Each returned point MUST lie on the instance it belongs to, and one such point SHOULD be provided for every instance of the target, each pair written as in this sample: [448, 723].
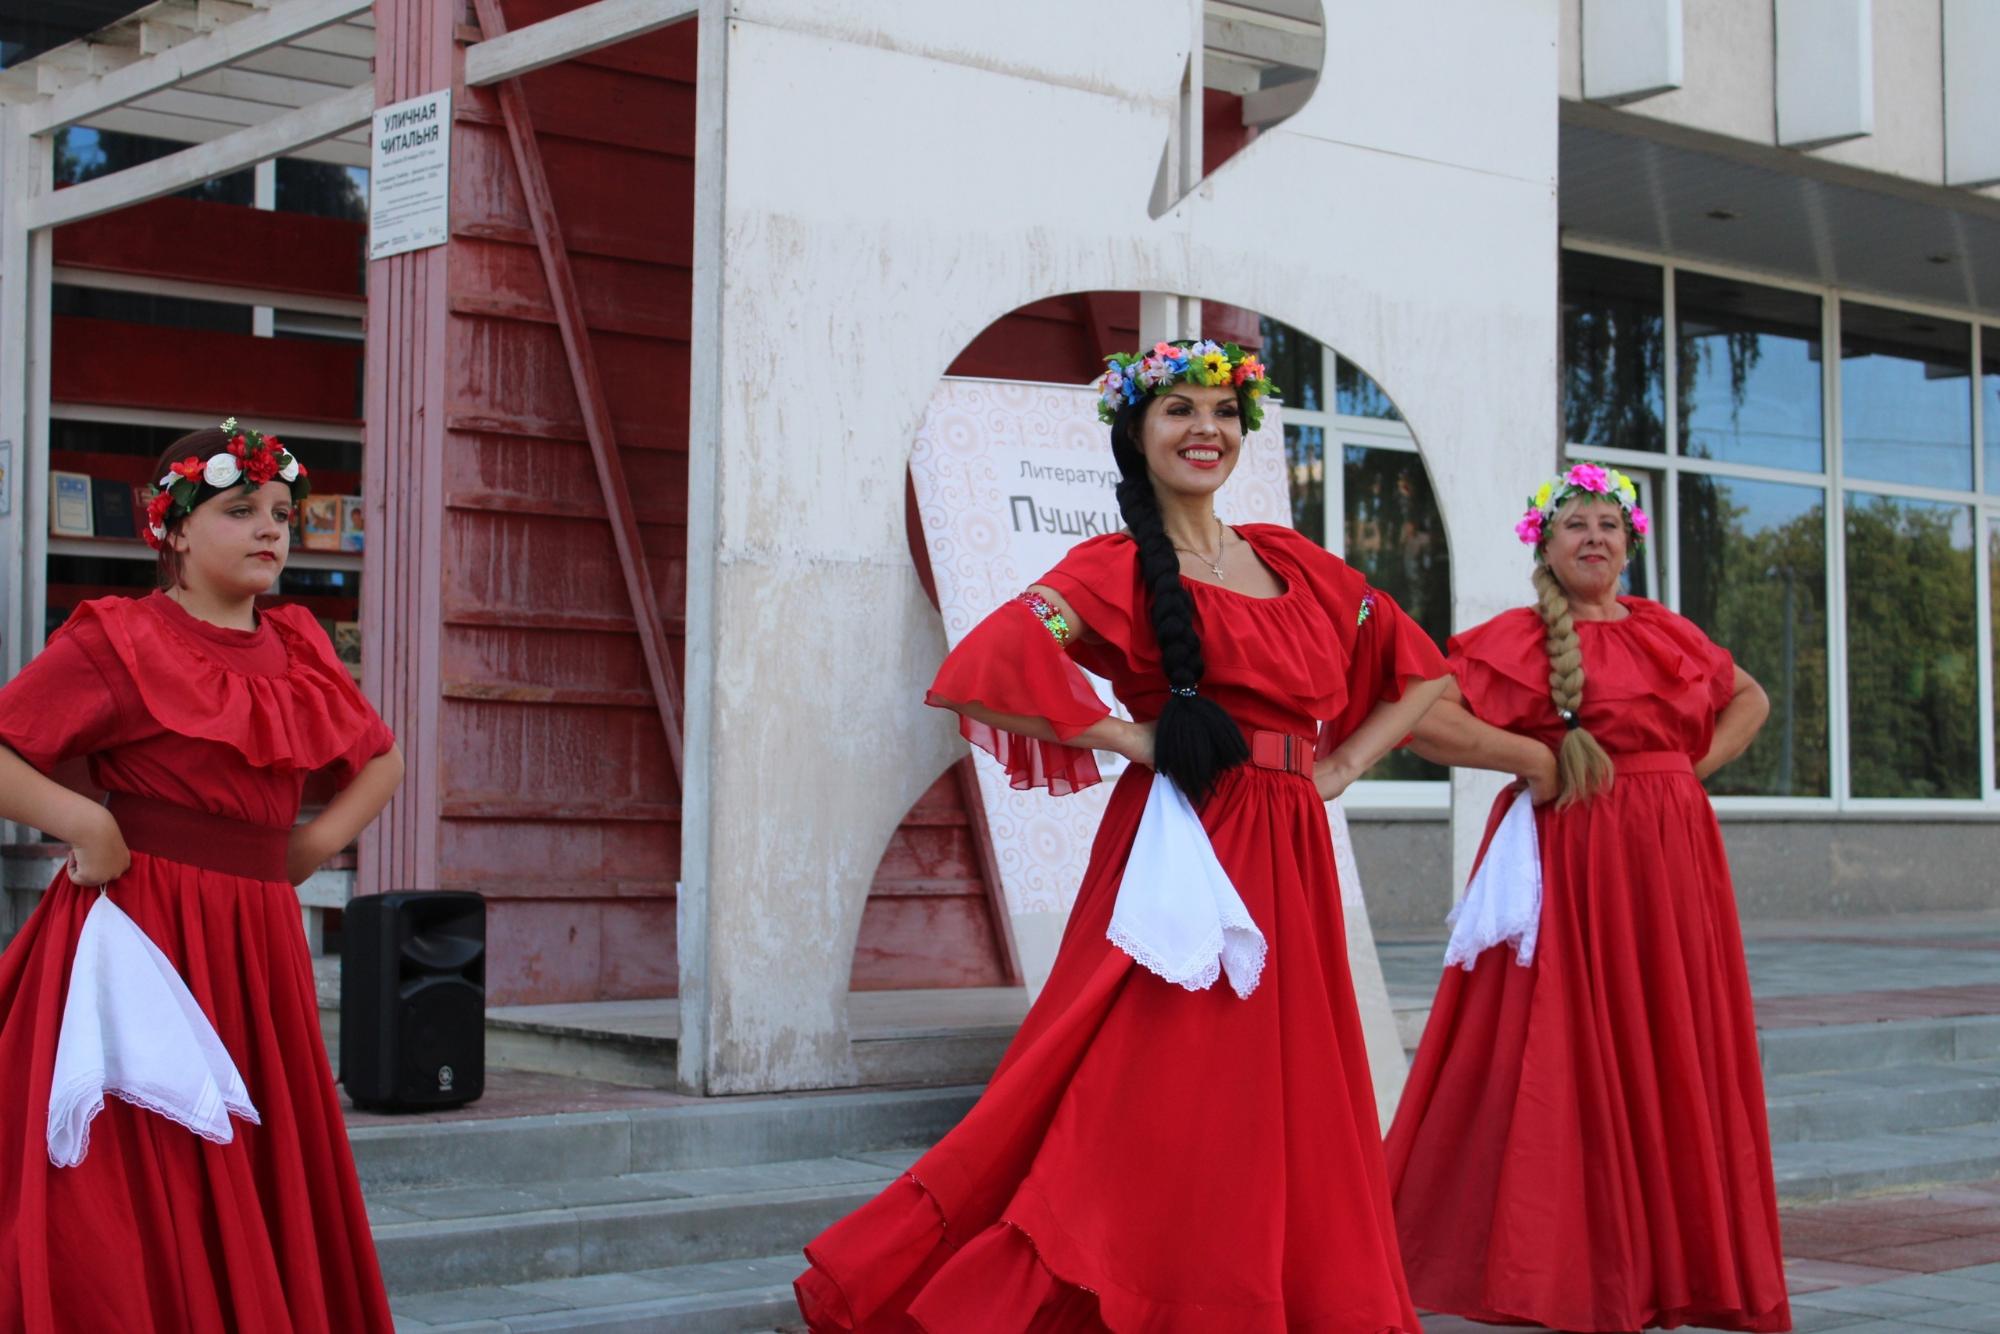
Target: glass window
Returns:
[1749, 370]
[83, 154]
[1613, 353]
[174, 312]
[1905, 397]
[1296, 365]
[325, 189]
[1993, 575]
[1305, 457]
[1395, 538]
[1355, 395]
[1989, 387]
[1753, 575]
[1912, 655]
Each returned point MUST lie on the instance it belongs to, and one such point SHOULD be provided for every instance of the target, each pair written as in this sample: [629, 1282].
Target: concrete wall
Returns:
[963, 169]
[1784, 867]
[1728, 85]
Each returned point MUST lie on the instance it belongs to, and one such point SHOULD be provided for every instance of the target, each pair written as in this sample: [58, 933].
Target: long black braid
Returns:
[1195, 741]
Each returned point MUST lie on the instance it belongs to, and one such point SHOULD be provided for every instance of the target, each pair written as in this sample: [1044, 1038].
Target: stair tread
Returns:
[1916, 1077]
[651, 1292]
[671, 1191]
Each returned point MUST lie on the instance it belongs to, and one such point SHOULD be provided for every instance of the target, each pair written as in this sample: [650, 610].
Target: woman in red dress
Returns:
[203, 717]
[1149, 1155]
[1582, 1140]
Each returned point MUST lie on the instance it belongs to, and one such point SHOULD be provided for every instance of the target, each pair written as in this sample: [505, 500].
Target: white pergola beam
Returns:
[572, 34]
[196, 55]
[107, 281]
[276, 137]
[347, 150]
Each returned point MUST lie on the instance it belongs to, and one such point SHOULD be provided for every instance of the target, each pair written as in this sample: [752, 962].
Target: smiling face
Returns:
[1586, 547]
[1191, 437]
[234, 544]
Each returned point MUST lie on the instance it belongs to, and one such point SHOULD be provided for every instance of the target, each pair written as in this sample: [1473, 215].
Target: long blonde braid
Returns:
[1583, 769]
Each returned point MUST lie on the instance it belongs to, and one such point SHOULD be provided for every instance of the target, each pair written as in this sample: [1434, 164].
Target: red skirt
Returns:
[158, 1229]
[1148, 1157]
[1582, 1142]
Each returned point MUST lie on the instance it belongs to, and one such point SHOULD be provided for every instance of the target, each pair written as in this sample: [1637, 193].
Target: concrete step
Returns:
[1896, 1099]
[722, 1132]
[484, 1236]
[1812, 1171]
[727, 1297]
[1837, 1047]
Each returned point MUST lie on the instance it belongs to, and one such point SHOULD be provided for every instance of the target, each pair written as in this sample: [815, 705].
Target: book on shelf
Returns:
[319, 523]
[111, 509]
[69, 505]
[352, 537]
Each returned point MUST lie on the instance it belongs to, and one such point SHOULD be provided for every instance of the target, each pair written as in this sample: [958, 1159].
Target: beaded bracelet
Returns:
[1051, 619]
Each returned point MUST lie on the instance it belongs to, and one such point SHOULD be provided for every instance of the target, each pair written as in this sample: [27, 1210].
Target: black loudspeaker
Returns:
[413, 999]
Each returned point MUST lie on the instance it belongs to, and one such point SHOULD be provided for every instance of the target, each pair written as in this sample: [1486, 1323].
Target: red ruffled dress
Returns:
[1149, 1157]
[157, 1229]
[1582, 1142]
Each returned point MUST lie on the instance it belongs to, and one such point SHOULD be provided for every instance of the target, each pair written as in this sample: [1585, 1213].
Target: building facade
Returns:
[638, 591]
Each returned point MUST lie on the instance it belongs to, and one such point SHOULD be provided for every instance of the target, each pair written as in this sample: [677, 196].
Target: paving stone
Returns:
[1871, 1301]
[440, 1308]
[1944, 1287]
[1984, 1319]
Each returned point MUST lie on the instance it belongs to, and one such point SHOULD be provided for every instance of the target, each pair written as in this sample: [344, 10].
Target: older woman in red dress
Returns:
[1582, 1141]
[1155, 1151]
[203, 716]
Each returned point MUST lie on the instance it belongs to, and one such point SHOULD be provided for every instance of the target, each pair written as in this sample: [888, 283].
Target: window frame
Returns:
[1984, 506]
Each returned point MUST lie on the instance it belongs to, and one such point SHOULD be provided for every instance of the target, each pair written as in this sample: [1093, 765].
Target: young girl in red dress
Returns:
[1169, 1155]
[202, 715]
[1582, 1141]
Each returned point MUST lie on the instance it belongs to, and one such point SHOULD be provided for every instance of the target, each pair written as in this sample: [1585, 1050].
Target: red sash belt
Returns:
[1652, 762]
[1282, 751]
[196, 838]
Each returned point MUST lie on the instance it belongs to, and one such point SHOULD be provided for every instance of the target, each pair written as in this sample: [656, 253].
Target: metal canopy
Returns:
[1632, 182]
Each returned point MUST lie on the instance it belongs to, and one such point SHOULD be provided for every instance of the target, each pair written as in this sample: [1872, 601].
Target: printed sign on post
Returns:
[409, 180]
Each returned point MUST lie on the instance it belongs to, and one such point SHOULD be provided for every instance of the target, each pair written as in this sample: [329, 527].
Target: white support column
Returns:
[693, 1052]
[1825, 75]
[15, 144]
[1631, 49]
[1168, 315]
[1971, 94]
[27, 166]
[263, 319]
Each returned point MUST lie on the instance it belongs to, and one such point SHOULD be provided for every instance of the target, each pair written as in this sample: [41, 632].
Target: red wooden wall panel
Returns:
[194, 370]
[198, 241]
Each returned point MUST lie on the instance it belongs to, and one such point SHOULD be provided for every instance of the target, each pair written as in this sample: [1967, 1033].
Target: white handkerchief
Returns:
[1177, 913]
[1503, 904]
[130, 1027]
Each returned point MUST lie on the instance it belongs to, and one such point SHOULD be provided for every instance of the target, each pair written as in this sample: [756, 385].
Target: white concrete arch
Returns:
[1406, 214]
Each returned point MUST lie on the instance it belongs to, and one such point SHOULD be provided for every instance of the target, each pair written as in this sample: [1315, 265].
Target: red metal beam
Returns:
[590, 394]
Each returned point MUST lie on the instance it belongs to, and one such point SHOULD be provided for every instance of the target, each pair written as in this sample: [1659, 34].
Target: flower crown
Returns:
[1584, 479]
[1130, 376]
[251, 459]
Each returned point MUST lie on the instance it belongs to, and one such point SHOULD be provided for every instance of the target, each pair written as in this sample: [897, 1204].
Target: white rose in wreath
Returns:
[222, 470]
[290, 472]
